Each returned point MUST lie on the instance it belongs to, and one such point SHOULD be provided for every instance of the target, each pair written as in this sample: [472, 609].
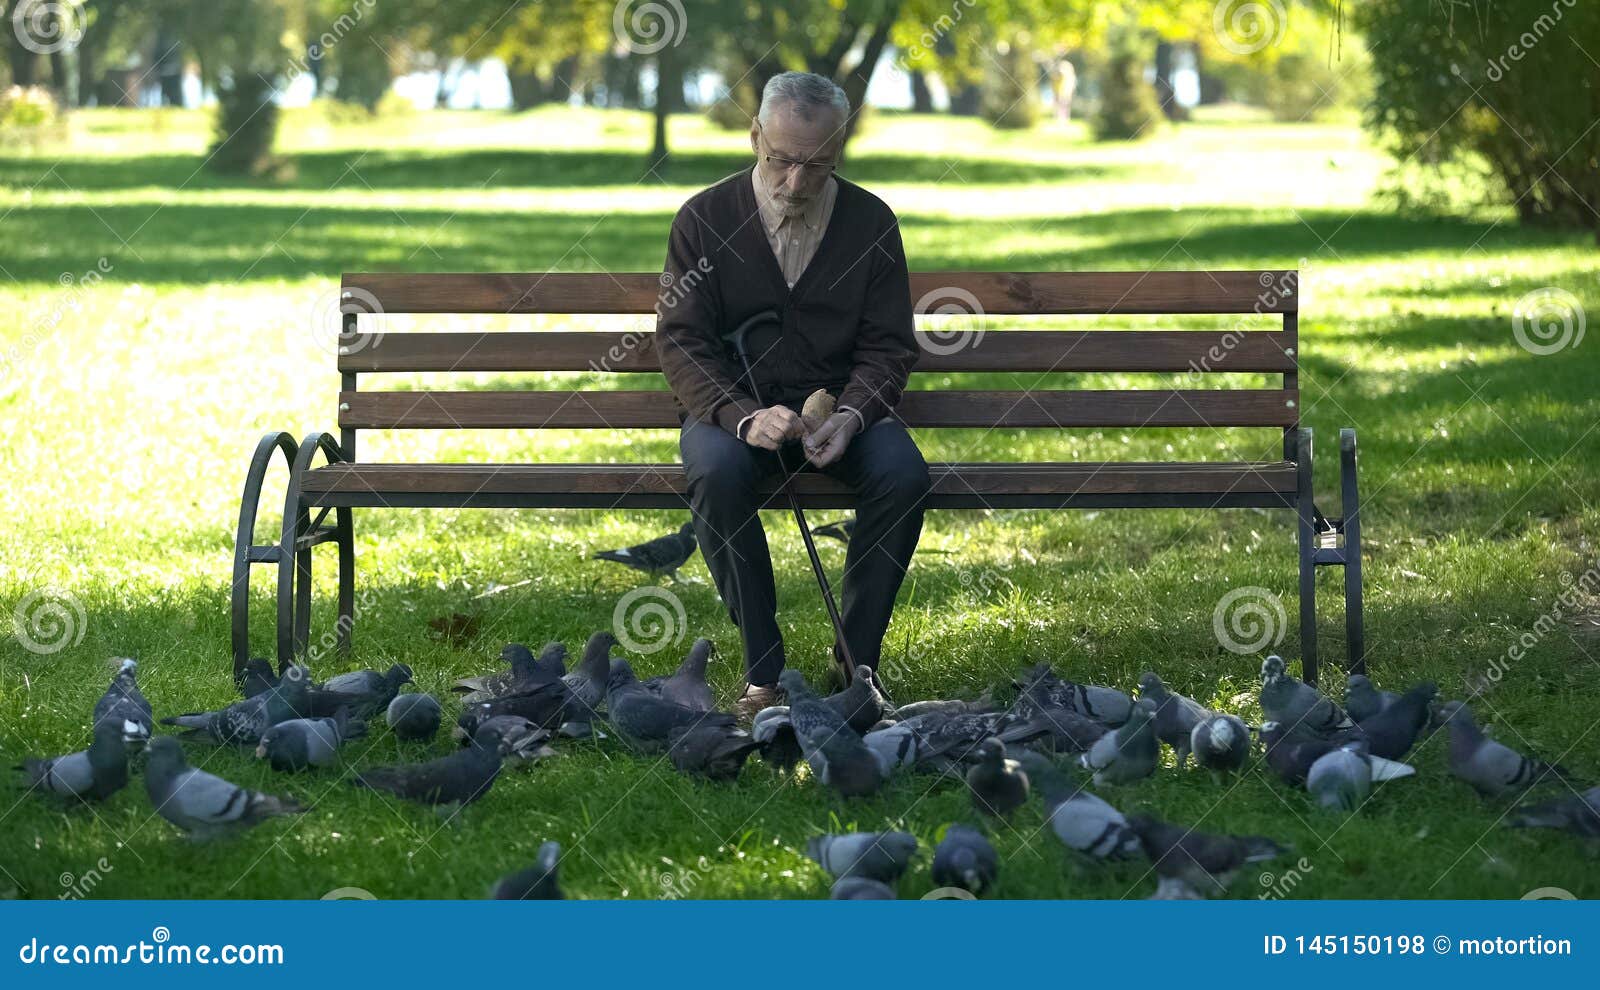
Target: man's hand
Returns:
[774, 426]
[827, 443]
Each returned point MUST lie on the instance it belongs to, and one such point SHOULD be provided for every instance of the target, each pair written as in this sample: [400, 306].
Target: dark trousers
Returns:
[882, 466]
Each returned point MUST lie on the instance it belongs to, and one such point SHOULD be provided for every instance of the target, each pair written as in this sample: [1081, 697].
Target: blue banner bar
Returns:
[779, 944]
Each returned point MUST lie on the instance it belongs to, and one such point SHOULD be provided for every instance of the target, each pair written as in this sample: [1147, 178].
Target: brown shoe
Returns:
[755, 698]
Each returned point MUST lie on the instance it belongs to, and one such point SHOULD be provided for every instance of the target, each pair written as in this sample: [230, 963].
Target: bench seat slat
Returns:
[926, 409]
[996, 350]
[997, 293]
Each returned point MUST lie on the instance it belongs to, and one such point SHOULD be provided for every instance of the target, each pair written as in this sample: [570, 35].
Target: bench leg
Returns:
[347, 579]
[1351, 506]
[300, 534]
[1305, 512]
[246, 553]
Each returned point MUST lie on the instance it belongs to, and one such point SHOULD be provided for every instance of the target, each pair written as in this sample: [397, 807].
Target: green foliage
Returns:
[1010, 89]
[246, 124]
[26, 108]
[1128, 107]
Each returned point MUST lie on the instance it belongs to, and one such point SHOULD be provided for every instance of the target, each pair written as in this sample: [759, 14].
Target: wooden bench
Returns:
[344, 482]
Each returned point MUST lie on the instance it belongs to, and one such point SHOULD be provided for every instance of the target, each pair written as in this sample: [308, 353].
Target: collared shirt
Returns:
[794, 239]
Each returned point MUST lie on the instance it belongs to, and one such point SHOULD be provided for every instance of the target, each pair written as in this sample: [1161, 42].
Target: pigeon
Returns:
[1065, 730]
[662, 555]
[1176, 715]
[645, 720]
[998, 785]
[414, 717]
[243, 722]
[1081, 820]
[1291, 755]
[1041, 688]
[588, 682]
[459, 779]
[1362, 700]
[200, 803]
[709, 749]
[93, 774]
[1393, 731]
[1127, 754]
[840, 530]
[364, 692]
[1220, 743]
[983, 703]
[1575, 813]
[124, 702]
[547, 704]
[299, 743]
[861, 704]
[861, 889]
[1492, 768]
[520, 740]
[1300, 706]
[774, 732]
[965, 859]
[881, 856]
[687, 686]
[538, 882]
[893, 746]
[1340, 779]
[256, 677]
[524, 673]
[1201, 861]
[835, 752]
[942, 740]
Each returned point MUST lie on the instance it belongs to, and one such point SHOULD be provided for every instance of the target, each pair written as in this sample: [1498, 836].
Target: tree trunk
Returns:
[669, 97]
[921, 95]
[856, 83]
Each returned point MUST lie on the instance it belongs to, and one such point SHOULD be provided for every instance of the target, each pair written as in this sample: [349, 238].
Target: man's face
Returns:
[788, 140]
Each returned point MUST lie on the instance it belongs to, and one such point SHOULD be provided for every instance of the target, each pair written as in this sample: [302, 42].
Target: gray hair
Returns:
[803, 93]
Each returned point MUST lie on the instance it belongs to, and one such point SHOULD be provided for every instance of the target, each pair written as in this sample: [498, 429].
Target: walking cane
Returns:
[739, 338]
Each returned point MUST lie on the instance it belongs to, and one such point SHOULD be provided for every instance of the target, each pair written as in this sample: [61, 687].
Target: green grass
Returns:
[131, 407]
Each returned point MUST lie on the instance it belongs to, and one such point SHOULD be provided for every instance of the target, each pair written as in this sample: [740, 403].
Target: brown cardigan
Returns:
[847, 323]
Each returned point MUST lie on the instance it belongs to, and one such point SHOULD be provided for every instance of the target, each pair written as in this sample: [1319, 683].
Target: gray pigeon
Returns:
[881, 856]
[894, 746]
[1362, 700]
[979, 705]
[124, 702]
[662, 555]
[414, 717]
[1301, 707]
[524, 673]
[548, 703]
[1291, 755]
[774, 732]
[200, 803]
[836, 753]
[1575, 813]
[710, 750]
[243, 722]
[538, 882]
[965, 859]
[1221, 743]
[941, 740]
[460, 778]
[364, 692]
[93, 774]
[520, 740]
[687, 685]
[840, 530]
[588, 682]
[861, 889]
[1130, 753]
[1081, 820]
[1392, 731]
[645, 720]
[1176, 715]
[1492, 768]
[1340, 780]
[1203, 862]
[861, 704]
[256, 677]
[298, 743]
[1041, 688]
[998, 785]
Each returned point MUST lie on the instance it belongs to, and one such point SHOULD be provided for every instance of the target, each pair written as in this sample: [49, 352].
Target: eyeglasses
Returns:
[808, 169]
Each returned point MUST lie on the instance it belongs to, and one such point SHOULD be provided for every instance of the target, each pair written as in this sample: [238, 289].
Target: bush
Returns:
[247, 121]
[1128, 105]
[1010, 99]
[24, 108]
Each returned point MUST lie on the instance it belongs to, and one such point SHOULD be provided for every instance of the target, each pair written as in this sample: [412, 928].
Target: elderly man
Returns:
[791, 236]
